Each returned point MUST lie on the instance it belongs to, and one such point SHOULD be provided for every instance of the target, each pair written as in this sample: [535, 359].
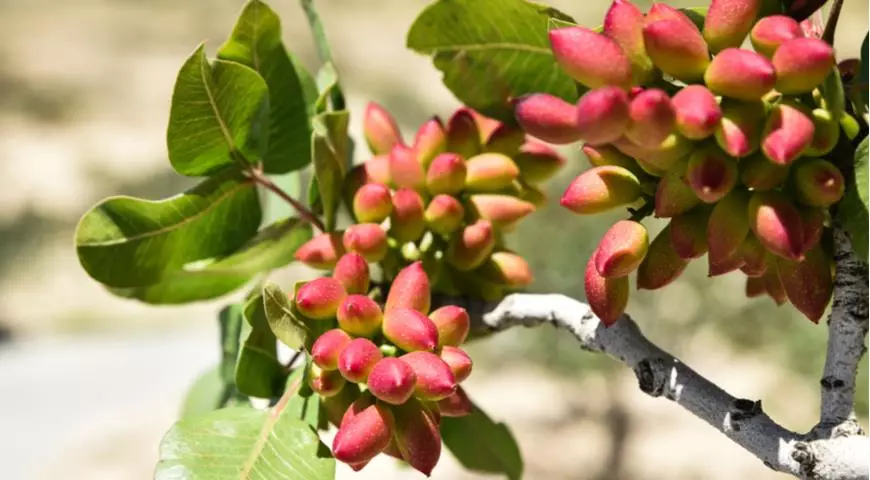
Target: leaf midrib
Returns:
[212, 205]
[211, 101]
[266, 431]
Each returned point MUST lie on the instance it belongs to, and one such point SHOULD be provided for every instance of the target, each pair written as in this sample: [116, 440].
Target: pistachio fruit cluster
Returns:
[728, 143]
[446, 199]
[386, 375]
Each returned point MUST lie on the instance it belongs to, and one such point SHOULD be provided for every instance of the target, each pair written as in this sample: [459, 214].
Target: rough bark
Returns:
[835, 449]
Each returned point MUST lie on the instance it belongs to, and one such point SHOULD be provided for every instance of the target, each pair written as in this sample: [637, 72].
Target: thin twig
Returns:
[833, 18]
[303, 211]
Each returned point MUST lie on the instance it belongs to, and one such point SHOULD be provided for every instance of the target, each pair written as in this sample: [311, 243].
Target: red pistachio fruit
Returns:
[319, 299]
[458, 361]
[548, 118]
[328, 347]
[358, 359]
[607, 297]
[322, 251]
[410, 289]
[410, 330]
[452, 323]
[392, 381]
[360, 316]
[622, 248]
[435, 380]
[590, 57]
[352, 272]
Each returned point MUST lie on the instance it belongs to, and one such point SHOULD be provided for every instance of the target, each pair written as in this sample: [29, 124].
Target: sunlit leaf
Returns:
[482, 445]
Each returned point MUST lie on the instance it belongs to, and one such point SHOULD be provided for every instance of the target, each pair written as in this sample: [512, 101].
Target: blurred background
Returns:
[91, 382]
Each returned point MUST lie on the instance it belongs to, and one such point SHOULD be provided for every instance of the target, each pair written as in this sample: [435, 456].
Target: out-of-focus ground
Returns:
[91, 382]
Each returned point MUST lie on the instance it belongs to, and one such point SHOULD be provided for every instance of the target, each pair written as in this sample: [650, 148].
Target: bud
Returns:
[677, 48]
[621, 249]
[606, 155]
[507, 268]
[372, 203]
[652, 118]
[358, 359]
[410, 289]
[446, 174]
[500, 210]
[405, 170]
[505, 139]
[489, 172]
[674, 196]
[452, 323]
[740, 74]
[728, 21]
[602, 115]
[759, 173]
[410, 330]
[463, 135]
[392, 381]
[325, 383]
[753, 254]
[826, 133]
[458, 361]
[322, 251]
[802, 64]
[688, 233]
[661, 265]
[444, 214]
[590, 58]
[728, 226]
[739, 132]
[360, 316]
[771, 32]
[417, 436]
[624, 24]
[711, 174]
[380, 129]
[607, 297]
[725, 265]
[547, 117]
[814, 224]
[537, 162]
[367, 239]
[787, 134]
[808, 284]
[600, 189]
[471, 247]
[328, 347]
[407, 221]
[457, 404]
[697, 112]
[435, 380]
[363, 435]
[777, 224]
[817, 182]
[755, 287]
[772, 282]
[319, 299]
[662, 11]
[431, 141]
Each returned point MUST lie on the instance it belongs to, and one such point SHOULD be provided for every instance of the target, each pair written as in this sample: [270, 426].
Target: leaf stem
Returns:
[323, 50]
[833, 18]
[304, 213]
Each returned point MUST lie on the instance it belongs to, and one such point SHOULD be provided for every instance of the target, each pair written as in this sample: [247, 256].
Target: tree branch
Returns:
[847, 326]
[660, 374]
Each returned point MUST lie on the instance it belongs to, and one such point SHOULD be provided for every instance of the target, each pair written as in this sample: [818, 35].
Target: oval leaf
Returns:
[129, 242]
[482, 445]
[248, 443]
[853, 210]
[219, 115]
[273, 247]
[256, 42]
[491, 51]
[282, 320]
[259, 373]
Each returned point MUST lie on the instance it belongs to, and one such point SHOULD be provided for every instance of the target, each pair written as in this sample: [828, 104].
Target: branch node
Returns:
[830, 383]
[650, 376]
[805, 458]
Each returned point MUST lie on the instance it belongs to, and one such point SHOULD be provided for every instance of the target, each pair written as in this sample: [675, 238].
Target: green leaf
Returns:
[273, 247]
[306, 404]
[219, 115]
[327, 82]
[853, 209]
[245, 443]
[289, 329]
[481, 445]
[129, 242]
[330, 146]
[491, 51]
[256, 42]
[207, 393]
[230, 320]
[259, 373]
